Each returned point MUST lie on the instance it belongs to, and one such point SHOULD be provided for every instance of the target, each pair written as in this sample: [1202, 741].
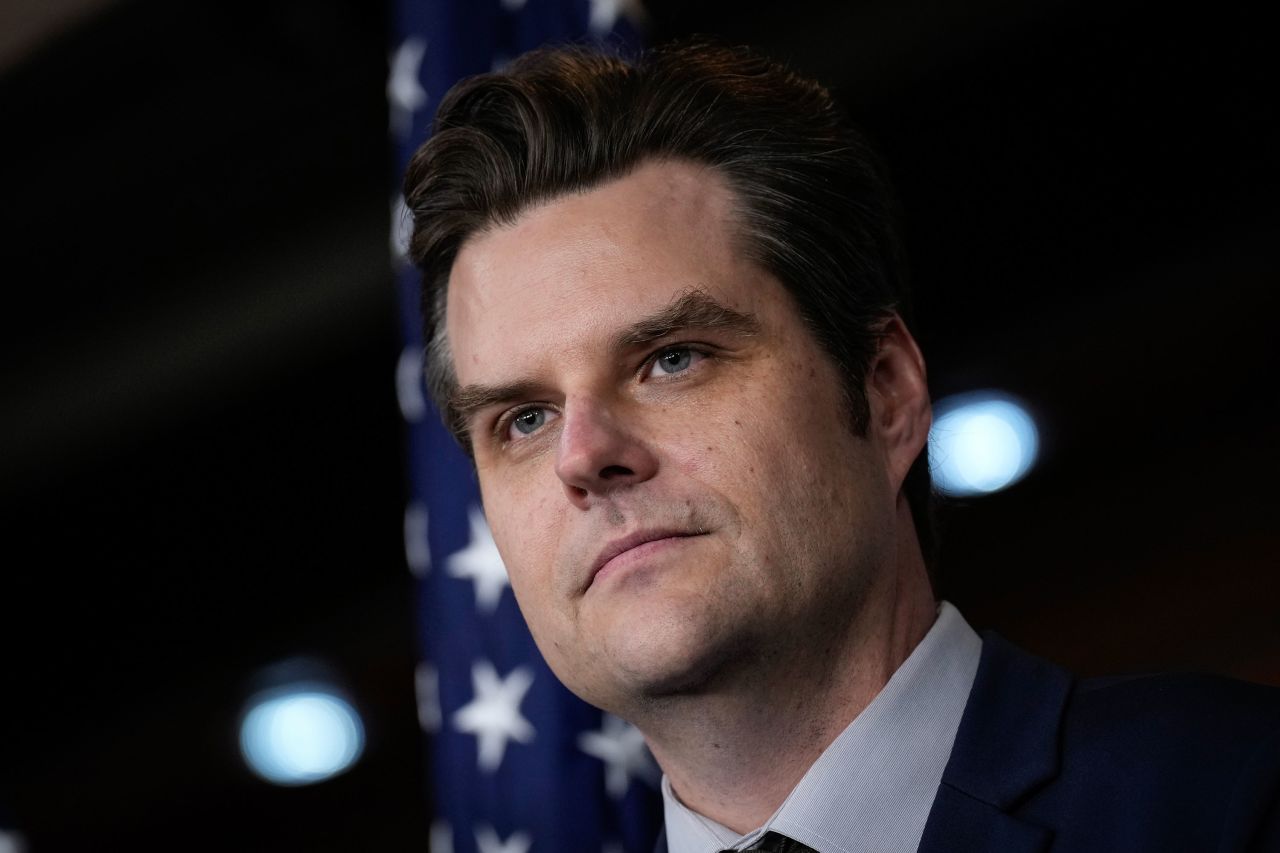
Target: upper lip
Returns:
[633, 540]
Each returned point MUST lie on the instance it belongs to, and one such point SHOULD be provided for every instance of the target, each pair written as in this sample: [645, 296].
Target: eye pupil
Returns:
[527, 422]
[675, 360]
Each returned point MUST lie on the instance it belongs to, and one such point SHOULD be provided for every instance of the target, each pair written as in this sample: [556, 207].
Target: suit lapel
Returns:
[961, 824]
[1006, 748]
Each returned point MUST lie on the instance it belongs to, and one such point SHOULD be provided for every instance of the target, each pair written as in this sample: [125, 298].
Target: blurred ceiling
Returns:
[199, 457]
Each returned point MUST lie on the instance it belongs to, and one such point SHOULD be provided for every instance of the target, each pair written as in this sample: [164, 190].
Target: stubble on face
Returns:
[752, 446]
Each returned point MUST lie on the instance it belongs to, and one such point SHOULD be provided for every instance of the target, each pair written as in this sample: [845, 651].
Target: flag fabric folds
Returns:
[519, 765]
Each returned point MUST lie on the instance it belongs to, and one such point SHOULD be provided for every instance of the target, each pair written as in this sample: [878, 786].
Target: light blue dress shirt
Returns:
[871, 790]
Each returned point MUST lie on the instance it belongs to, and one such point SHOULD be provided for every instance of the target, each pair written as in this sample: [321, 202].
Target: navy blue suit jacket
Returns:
[1045, 763]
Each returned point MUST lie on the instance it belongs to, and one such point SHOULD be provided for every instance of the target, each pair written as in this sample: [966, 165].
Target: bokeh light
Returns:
[300, 734]
[11, 842]
[981, 442]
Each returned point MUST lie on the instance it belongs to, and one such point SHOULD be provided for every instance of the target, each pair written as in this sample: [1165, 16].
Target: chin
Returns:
[670, 657]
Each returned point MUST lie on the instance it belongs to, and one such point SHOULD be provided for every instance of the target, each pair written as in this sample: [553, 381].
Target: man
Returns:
[666, 314]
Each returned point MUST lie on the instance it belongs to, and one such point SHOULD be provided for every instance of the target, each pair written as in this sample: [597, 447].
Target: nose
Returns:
[600, 451]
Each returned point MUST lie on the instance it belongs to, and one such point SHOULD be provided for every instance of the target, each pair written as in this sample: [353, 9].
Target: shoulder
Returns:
[1165, 762]
[1147, 716]
[1195, 723]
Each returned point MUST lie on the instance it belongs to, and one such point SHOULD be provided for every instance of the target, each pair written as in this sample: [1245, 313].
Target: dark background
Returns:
[200, 446]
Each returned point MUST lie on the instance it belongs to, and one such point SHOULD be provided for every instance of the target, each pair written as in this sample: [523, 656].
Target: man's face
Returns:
[663, 449]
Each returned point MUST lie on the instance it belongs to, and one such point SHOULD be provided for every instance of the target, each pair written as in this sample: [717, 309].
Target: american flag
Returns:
[519, 765]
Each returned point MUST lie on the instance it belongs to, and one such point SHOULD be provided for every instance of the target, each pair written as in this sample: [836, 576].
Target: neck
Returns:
[733, 754]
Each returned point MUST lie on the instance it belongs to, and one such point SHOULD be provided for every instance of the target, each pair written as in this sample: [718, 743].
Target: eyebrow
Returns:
[692, 310]
[465, 402]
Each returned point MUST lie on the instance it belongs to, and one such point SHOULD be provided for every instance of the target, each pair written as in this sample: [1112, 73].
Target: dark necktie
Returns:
[775, 843]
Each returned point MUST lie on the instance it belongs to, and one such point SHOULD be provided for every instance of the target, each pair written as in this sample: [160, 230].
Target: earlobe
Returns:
[898, 395]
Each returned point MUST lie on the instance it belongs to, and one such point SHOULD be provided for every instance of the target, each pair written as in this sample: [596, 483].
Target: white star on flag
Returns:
[605, 13]
[404, 92]
[409, 389]
[417, 554]
[481, 562]
[488, 841]
[441, 838]
[622, 749]
[493, 716]
[426, 683]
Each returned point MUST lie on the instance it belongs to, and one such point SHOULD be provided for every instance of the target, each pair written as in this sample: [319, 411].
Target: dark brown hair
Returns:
[814, 204]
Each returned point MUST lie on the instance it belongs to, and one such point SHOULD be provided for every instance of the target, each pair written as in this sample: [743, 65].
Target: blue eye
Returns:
[673, 360]
[525, 422]
[529, 421]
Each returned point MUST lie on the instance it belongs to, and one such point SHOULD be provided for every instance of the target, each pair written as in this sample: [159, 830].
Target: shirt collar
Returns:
[873, 787]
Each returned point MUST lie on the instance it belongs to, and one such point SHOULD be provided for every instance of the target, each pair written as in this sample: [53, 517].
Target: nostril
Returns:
[610, 471]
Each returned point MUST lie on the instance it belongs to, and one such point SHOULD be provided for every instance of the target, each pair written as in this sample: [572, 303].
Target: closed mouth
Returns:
[629, 543]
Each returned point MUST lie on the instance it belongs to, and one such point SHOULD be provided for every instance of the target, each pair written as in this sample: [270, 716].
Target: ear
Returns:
[898, 396]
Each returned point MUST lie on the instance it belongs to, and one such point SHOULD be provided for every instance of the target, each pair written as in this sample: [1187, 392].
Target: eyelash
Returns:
[698, 353]
[502, 427]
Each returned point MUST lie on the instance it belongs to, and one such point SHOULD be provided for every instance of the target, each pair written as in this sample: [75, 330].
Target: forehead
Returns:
[569, 271]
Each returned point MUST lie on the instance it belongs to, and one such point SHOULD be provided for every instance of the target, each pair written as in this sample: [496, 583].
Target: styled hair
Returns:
[813, 202]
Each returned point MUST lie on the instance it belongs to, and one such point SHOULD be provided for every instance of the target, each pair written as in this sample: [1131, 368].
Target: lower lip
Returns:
[631, 556]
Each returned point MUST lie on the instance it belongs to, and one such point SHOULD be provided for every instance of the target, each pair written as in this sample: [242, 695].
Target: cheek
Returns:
[526, 532]
[530, 568]
[721, 455]
[739, 460]
[776, 423]
[785, 453]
